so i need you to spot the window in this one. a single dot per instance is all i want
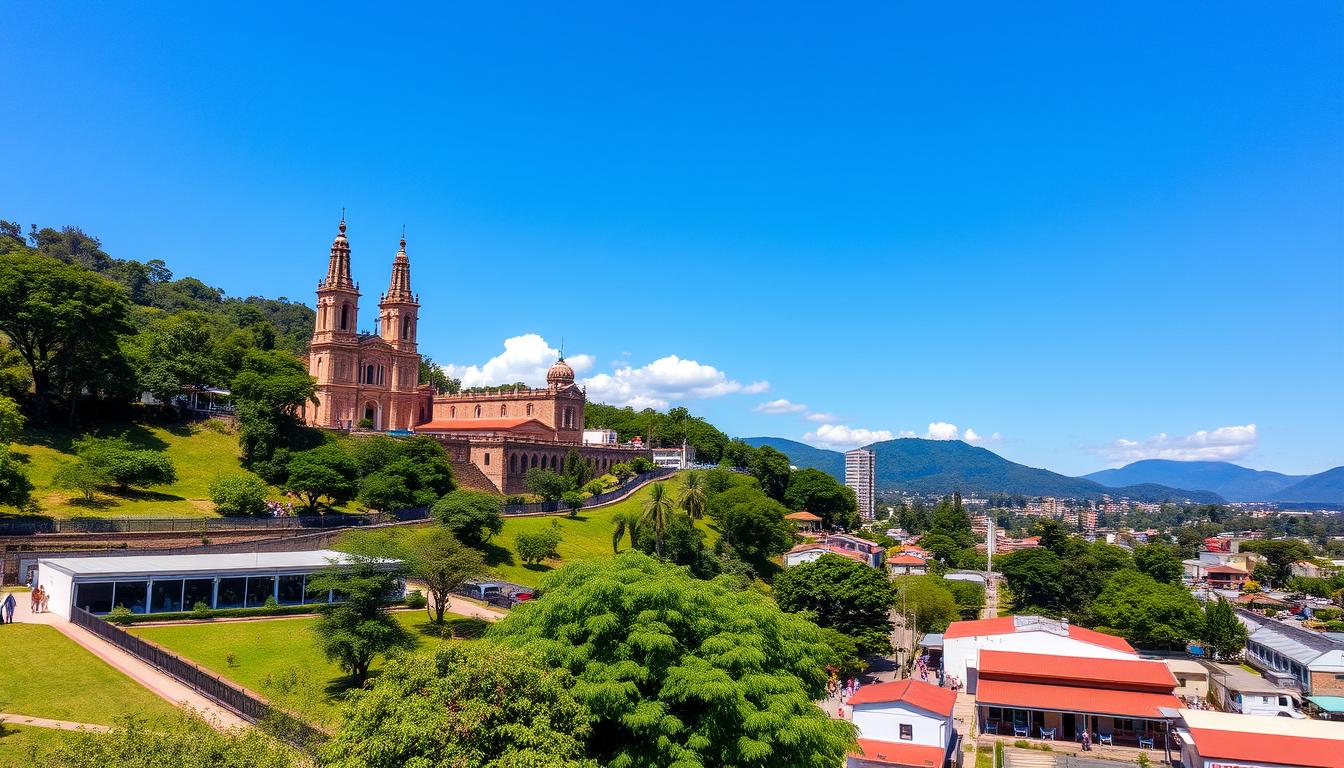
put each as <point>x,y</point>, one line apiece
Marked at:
<point>478,411</point>
<point>231,593</point>
<point>132,594</point>
<point>405,330</point>
<point>529,409</point>
<point>907,732</point>
<point>368,375</point>
<point>198,591</point>
<point>452,412</point>
<point>503,409</point>
<point>513,464</point>
<point>345,317</point>
<point>291,590</point>
<point>258,589</point>
<point>165,596</point>
<point>94,598</point>
<point>487,458</point>
<point>995,713</point>
<point>534,459</point>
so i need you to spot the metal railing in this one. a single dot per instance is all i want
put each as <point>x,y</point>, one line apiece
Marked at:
<point>205,524</point>
<point>625,489</point>
<point>233,698</point>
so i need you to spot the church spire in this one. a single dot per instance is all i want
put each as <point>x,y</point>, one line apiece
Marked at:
<point>338,267</point>
<point>399,289</point>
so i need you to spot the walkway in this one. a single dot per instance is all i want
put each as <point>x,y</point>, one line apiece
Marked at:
<point>1027,758</point>
<point>461,605</point>
<point>10,718</point>
<point>156,681</point>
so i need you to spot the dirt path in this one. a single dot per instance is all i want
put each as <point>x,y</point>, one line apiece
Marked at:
<point>11,718</point>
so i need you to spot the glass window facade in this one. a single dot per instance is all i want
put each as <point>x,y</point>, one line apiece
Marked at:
<point>291,590</point>
<point>259,590</point>
<point>94,597</point>
<point>165,596</point>
<point>132,594</point>
<point>231,593</point>
<point>197,591</point>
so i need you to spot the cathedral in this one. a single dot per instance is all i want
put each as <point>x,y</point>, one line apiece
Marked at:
<point>370,382</point>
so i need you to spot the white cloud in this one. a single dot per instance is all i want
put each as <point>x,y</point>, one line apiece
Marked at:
<point>906,433</point>
<point>821,417</point>
<point>525,358</point>
<point>666,379</point>
<point>1221,444</point>
<point>841,436</point>
<point>975,438</point>
<point>941,430</point>
<point>780,406</point>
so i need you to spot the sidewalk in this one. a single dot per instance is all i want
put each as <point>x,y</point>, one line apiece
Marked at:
<point>142,673</point>
<point>10,718</point>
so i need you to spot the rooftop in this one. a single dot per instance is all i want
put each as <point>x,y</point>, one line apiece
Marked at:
<point>916,693</point>
<point>1074,698</point>
<point>1007,625</point>
<point>1037,667</point>
<point>894,753</point>
<point>1264,739</point>
<point>138,565</point>
<point>475,425</point>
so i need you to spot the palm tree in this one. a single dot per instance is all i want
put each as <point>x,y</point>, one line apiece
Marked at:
<point>693,496</point>
<point>626,522</point>
<point>657,510</point>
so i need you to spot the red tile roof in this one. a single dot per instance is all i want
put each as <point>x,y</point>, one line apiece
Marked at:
<point>1226,569</point>
<point>804,515</point>
<point>474,425</point>
<point>906,560</point>
<point>1038,667</point>
<point>1268,748</point>
<point>851,554</point>
<point>1005,625</point>
<point>916,693</point>
<point>1073,698</point>
<point>894,753</point>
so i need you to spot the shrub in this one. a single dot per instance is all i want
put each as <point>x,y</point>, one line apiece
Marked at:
<point>365,424</point>
<point>1327,614</point>
<point>1334,626</point>
<point>573,500</point>
<point>536,546</point>
<point>238,495</point>
<point>121,615</point>
<point>270,603</point>
<point>416,599</point>
<point>594,487</point>
<point>200,610</point>
<point>515,499</point>
<point>641,464</point>
<point>622,471</point>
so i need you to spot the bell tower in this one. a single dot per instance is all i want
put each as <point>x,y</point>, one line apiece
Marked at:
<point>337,295</point>
<point>399,309</point>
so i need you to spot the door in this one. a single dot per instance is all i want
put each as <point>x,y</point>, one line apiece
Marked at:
<point>1068,726</point>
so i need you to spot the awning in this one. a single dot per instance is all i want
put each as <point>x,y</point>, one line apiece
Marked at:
<point>1068,698</point>
<point>1332,704</point>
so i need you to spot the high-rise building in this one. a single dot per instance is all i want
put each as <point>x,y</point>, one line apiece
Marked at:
<point>860,474</point>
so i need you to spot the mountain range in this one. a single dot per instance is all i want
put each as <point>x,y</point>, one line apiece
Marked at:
<point>942,466</point>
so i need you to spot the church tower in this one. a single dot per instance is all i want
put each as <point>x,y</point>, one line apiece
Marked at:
<point>333,352</point>
<point>337,296</point>
<point>399,309</point>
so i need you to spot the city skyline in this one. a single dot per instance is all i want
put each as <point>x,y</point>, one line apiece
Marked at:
<point>824,229</point>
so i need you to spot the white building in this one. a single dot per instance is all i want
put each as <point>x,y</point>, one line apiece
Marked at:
<point>903,723</point>
<point>674,458</point>
<point>860,475</point>
<point>1289,654</point>
<point>167,583</point>
<point>963,641</point>
<point>1208,739</point>
<point>599,437</point>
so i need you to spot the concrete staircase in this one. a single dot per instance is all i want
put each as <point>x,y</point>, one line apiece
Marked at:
<point>1027,758</point>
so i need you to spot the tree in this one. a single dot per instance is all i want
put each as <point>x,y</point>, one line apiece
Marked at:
<point>402,474</point>
<point>467,705</point>
<point>116,462</point>
<point>535,546</point>
<point>1033,576</point>
<point>1279,554</point>
<point>268,394</point>
<point>824,496</point>
<point>970,597</point>
<point>432,556</point>
<point>185,740</point>
<point>1224,634</point>
<point>573,501</point>
<point>927,599</point>
<point>625,522</point>
<point>694,496</point>
<point>841,594</point>
<point>622,471</point>
<point>1159,562</point>
<point>79,475</point>
<point>1148,612</point>
<point>326,470</point>
<point>674,670</point>
<point>547,484</point>
<point>683,544</point>
<point>751,523</point>
<point>11,420</point>
<point>238,495</point>
<point>657,509</point>
<point>359,628</point>
<point>472,516</point>
<point>54,314</point>
<point>15,487</point>
<point>175,351</point>
<point>771,468</point>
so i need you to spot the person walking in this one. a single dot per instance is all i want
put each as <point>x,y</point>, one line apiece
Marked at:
<point>8,607</point>
<point>1086,741</point>
<point>46,598</point>
<point>36,597</point>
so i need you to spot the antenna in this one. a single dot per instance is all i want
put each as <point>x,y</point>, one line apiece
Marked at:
<point>562,347</point>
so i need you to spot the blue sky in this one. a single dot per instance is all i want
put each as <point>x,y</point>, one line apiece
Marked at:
<point>1085,234</point>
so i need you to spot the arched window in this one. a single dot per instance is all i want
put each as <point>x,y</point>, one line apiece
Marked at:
<point>382,374</point>
<point>345,317</point>
<point>503,409</point>
<point>529,409</point>
<point>319,367</point>
<point>478,411</point>
<point>487,458</point>
<point>534,459</point>
<point>405,330</point>
<point>554,464</point>
<point>513,464</point>
<point>368,375</point>
<point>452,411</point>
<point>569,418</point>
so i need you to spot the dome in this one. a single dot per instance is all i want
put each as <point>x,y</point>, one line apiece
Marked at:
<point>560,373</point>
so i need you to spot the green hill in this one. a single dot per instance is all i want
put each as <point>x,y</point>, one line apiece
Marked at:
<point>1324,488</point>
<point>1232,482</point>
<point>804,456</point>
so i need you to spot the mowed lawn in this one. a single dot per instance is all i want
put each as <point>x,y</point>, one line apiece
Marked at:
<point>18,744</point>
<point>586,536</point>
<point>46,674</point>
<point>277,658</point>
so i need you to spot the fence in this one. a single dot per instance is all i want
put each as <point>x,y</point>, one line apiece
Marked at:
<point>206,524</point>
<point>227,695</point>
<point>543,507</point>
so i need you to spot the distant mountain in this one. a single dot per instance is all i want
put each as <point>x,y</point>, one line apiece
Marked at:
<point>1232,482</point>
<point>803,456</point>
<point>943,466</point>
<point>1324,488</point>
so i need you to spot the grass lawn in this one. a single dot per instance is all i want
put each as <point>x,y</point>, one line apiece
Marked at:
<point>49,675</point>
<point>277,658</point>
<point>586,536</point>
<point>18,742</point>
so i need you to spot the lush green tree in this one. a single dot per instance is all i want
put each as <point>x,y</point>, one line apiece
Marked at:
<point>942,547</point>
<point>430,555</point>
<point>238,495</point>
<point>625,522</point>
<point>1033,576</point>
<point>751,523</point>
<point>121,464</point>
<point>1148,612</point>
<point>1158,561</point>
<point>950,519</point>
<point>15,487</point>
<point>659,429</point>
<point>824,496</point>
<point>694,496</point>
<point>1279,554</point>
<point>927,600</point>
<point>547,484</point>
<point>182,742</point>
<point>327,470</point>
<point>434,375</point>
<point>1084,569</point>
<point>60,318</point>
<point>771,468</point>
<point>657,509</point>
<point>677,671</point>
<point>11,420</point>
<point>622,471</point>
<point>79,475</point>
<point>1224,634</point>
<point>849,660</point>
<point>641,464</point>
<point>173,352</point>
<point>472,516</point>
<point>402,474</point>
<point>359,628</point>
<point>1054,535</point>
<point>842,594</point>
<point>467,705</point>
<point>683,544</point>
<point>268,394</point>
<point>535,546</point>
<point>970,597</point>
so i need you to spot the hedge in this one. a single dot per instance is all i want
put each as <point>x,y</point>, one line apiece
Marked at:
<point>117,617</point>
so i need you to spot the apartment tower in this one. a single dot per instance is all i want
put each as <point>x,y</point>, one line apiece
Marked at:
<point>860,474</point>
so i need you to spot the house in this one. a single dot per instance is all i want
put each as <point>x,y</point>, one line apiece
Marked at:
<point>1059,697</point>
<point>812,551</point>
<point>1226,577</point>
<point>904,723</point>
<point>907,565</point>
<point>680,457</point>
<point>964,641</point>
<point>1234,689</point>
<point>1192,678</point>
<point>1289,654</point>
<point>806,521</point>
<point>1207,739</point>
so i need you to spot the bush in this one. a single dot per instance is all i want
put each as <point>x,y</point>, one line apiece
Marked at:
<point>238,495</point>
<point>1334,626</point>
<point>416,599</point>
<point>472,516</point>
<point>536,546</point>
<point>642,464</point>
<point>121,615</point>
<point>597,486</point>
<point>573,500</point>
<point>1327,614</point>
<point>515,499</point>
<point>365,424</point>
<point>200,610</point>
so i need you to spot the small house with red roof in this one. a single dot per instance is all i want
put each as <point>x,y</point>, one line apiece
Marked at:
<point>806,521</point>
<point>1208,739</point>
<point>906,724</point>
<point>965,640</point>
<point>1226,577</point>
<point>904,564</point>
<point>842,544</point>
